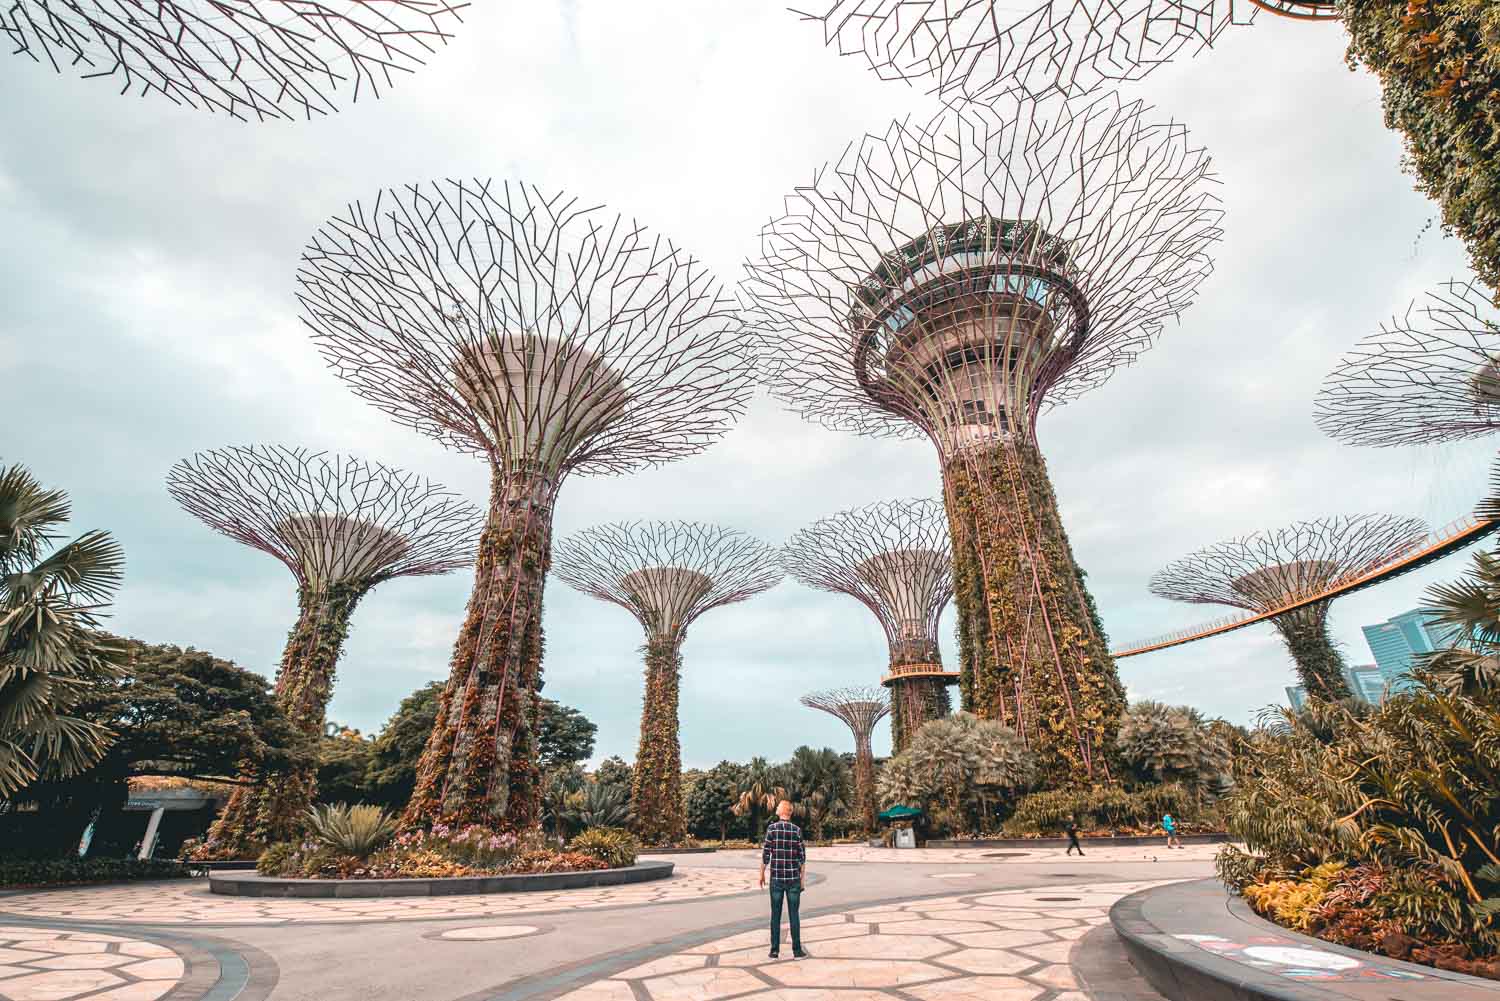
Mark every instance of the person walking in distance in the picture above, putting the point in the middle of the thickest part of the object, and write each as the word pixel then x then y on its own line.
pixel 784 852
pixel 1169 825
pixel 1072 830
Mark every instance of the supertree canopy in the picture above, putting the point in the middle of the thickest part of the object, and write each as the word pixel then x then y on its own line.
pixel 860 709
pixel 955 279
pixel 1430 376
pixel 666 574
pixel 1270 570
pixel 247 58
pixel 894 558
pixel 977 48
pixel 550 338
pixel 341 526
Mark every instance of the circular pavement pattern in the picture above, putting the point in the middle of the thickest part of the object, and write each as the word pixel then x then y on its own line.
pixel 56 964
pixel 485 933
pixel 998 946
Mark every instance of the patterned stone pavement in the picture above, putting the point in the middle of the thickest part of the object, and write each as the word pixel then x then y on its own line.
pixel 55 964
pixel 1011 945
pixel 189 902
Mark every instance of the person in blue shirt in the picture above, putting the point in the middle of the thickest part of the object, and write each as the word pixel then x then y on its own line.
pixel 784 851
pixel 1170 826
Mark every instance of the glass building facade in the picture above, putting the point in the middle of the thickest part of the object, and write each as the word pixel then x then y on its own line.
pixel 1397 642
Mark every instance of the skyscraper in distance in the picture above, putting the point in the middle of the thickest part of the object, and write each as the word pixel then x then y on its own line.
pixel 1397 642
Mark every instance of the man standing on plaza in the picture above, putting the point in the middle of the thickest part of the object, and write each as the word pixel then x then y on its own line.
pixel 785 853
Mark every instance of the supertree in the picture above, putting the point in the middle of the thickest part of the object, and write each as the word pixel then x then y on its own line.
pixel 666 574
pixel 861 709
pixel 1432 375
pixel 953 280
pixel 1269 570
pixel 262 58
pixel 342 527
pixel 549 338
pixel 977 48
pixel 894 558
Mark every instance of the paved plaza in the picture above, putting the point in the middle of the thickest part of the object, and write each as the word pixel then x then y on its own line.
pixel 928 925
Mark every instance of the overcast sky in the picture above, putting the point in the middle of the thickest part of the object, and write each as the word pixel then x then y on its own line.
pixel 148 282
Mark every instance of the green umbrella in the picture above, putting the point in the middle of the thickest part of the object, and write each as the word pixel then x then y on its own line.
pixel 900 813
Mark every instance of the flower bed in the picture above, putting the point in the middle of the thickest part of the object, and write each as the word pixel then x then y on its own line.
pixel 441 852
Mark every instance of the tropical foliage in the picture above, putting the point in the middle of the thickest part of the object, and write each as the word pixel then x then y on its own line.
pixel 1439 66
pixel 1159 743
pixel 613 846
pixel 957 770
pixel 19 872
pixel 51 653
pixel 350 830
pixel 711 798
pixel 1405 798
pixel 821 783
pixel 1107 808
pixel 598 804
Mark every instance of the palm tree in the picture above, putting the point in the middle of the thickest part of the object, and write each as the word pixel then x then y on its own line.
pixel 756 790
pixel 599 804
pixel 51 653
pixel 819 781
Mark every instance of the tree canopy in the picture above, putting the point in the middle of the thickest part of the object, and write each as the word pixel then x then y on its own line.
pixel 565 735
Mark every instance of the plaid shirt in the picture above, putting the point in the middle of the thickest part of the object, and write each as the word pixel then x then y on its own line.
pixel 784 852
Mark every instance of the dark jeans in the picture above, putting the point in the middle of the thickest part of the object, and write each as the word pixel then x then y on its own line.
pixel 793 894
pixel 1073 843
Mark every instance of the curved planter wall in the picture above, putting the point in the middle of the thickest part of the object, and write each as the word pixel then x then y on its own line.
pixel 249 884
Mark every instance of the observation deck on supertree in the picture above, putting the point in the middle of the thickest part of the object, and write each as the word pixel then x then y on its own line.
pixel 955 279
pixel 894 558
pixel 279 59
pixel 1267 570
pixel 551 338
pixel 342 527
pixel 975 49
pixel 666 574
pixel 1430 376
pixel 860 709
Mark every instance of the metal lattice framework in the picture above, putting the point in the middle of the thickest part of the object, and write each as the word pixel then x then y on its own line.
pixel 279 59
pixel 551 337
pixel 1432 375
pixel 666 574
pixel 954 279
pixel 861 709
pixel 1083 225
pixel 331 519
pixel 1267 570
pixel 341 526
pixel 893 557
pixel 975 49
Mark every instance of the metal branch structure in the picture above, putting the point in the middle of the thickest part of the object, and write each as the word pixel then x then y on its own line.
pixel 666 574
pixel 954 280
pixel 550 337
pixel 1268 570
pixel 893 557
pixel 1430 376
pixel 860 709
pixel 341 526
pixel 975 49
pixel 262 59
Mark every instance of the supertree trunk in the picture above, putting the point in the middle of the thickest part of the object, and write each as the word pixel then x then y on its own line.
pixel 916 700
pixel 1320 666
pixel 864 784
pixel 273 808
pixel 1033 657
pixel 657 784
pixel 479 765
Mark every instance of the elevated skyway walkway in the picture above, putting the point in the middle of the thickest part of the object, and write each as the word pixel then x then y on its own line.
pixel 1449 539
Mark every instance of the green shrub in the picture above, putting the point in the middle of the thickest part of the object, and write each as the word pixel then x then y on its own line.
pixel 70 871
pixel 614 847
pixel 275 860
pixel 1045 812
pixel 350 830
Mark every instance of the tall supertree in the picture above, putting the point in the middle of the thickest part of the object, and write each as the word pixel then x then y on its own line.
pixel 1432 375
pixel 955 279
pixel 666 574
pixel 342 527
pixel 860 709
pixel 550 338
pixel 977 48
pixel 265 59
pixel 894 558
pixel 1269 570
